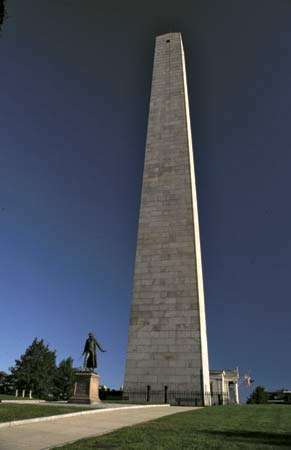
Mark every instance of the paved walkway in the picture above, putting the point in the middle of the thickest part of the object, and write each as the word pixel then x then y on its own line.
pixel 45 435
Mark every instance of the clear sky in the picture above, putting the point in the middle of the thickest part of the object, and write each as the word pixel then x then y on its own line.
pixel 75 84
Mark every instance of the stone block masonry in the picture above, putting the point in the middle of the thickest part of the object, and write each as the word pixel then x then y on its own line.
pixel 167 342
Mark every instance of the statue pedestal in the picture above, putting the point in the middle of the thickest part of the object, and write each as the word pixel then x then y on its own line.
pixel 86 388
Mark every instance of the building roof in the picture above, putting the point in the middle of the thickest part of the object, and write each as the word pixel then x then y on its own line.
pixel 227 372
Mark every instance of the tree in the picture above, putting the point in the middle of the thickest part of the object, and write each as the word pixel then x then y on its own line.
pixel 64 380
pixel 2 12
pixel 259 395
pixel 3 382
pixel 3 375
pixel 36 370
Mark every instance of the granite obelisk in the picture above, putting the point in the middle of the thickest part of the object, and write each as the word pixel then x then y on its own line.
pixel 167 357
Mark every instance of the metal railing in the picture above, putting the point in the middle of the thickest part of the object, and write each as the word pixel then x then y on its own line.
pixel 183 398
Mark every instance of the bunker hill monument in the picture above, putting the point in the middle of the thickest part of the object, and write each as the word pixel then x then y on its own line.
pixel 167 357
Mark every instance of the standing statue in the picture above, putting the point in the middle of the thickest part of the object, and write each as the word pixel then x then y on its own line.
pixel 91 345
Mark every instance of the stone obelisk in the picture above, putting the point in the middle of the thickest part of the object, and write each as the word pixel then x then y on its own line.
pixel 167 357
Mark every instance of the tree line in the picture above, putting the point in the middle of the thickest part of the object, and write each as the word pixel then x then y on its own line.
pixel 36 370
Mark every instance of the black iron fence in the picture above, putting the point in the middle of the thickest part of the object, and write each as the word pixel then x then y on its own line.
pixel 183 398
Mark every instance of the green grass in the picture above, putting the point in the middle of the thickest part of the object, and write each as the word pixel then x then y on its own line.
pixel 14 411
pixel 246 427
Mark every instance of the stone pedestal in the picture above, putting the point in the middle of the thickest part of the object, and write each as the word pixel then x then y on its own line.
pixel 86 388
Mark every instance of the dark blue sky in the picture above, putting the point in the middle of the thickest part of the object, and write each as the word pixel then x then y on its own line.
pixel 75 84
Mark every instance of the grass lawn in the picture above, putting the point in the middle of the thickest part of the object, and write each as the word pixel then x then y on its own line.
pixel 218 427
pixel 15 411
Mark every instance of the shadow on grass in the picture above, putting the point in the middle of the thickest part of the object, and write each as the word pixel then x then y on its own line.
pixel 253 437
pixel 105 446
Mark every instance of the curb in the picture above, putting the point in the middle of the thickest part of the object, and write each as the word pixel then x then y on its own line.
pixel 23 402
pixel 15 423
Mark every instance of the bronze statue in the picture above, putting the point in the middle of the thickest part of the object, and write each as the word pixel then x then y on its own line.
pixel 91 345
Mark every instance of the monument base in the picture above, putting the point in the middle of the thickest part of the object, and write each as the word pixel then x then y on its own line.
pixel 86 389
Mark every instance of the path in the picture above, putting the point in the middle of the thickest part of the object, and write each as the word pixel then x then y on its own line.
pixel 44 435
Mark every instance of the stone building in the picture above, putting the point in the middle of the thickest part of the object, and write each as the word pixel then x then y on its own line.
pixel 224 387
